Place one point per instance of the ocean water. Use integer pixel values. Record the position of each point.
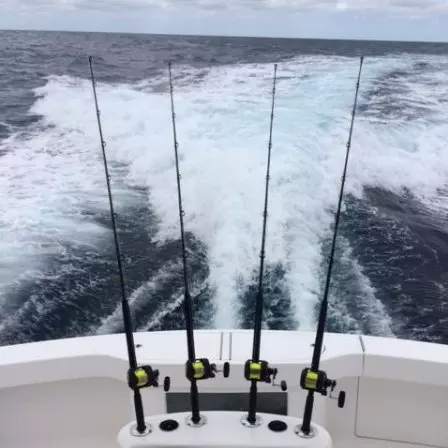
(57, 262)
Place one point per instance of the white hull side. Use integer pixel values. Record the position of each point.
(71, 393)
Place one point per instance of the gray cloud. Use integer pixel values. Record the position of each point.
(394, 6)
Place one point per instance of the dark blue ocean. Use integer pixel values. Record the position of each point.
(58, 274)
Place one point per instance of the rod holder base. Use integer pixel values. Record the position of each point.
(224, 429)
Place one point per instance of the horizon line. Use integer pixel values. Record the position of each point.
(226, 36)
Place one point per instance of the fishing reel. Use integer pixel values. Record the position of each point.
(260, 371)
(320, 383)
(202, 369)
(146, 376)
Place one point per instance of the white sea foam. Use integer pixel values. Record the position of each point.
(49, 175)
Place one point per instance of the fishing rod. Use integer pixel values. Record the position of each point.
(254, 369)
(313, 379)
(195, 369)
(143, 376)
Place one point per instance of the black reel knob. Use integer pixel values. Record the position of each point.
(226, 370)
(341, 399)
(166, 384)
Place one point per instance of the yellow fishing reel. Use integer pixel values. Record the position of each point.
(320, 383)
(145, 376)
(260, 371)
(202, 369)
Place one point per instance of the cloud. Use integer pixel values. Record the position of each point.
(406, 7)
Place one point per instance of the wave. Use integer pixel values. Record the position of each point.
(52, 185)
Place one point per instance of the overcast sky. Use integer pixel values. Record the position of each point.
(351, 19)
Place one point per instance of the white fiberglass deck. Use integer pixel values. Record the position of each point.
(72, 393)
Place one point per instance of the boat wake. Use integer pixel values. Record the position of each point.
(58, 268)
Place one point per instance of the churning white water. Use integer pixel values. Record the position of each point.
(52, 173)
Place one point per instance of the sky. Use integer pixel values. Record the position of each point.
(415, 20)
